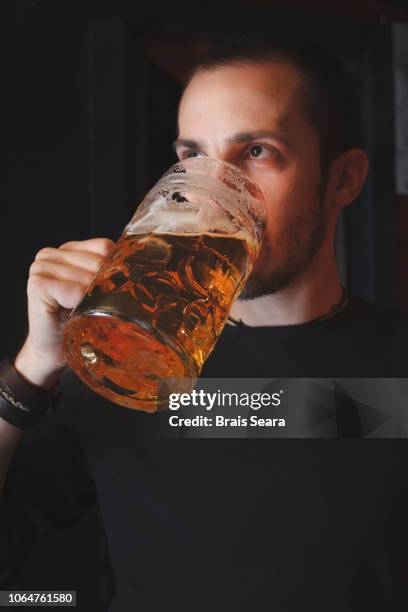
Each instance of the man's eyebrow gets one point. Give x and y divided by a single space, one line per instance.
188 144
235 139
250 136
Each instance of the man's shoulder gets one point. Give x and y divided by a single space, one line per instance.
382 334
378 315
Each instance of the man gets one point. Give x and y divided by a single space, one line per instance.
285 525
262 115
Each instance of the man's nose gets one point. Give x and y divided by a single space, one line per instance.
225 156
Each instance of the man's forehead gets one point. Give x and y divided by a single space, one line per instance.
250 95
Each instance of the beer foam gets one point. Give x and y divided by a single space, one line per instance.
161 219
240 235
205 208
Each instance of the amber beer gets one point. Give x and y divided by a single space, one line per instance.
154 312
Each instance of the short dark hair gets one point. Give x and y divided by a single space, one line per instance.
330 101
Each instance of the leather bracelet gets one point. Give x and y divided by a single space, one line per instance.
23 404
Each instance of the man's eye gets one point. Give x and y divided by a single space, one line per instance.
260 152
189 154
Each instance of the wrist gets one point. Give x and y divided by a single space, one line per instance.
22 403
36 369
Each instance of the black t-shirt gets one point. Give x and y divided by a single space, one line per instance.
236 524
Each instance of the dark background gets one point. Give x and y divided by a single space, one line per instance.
92 92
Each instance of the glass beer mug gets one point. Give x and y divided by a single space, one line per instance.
161 298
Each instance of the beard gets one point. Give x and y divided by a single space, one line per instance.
281 263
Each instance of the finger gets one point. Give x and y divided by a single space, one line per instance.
102 246
53 293
79 259
61 271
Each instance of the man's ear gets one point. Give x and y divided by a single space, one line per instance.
350 171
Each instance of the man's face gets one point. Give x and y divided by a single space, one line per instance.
251 116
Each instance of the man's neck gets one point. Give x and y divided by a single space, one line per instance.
303 301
